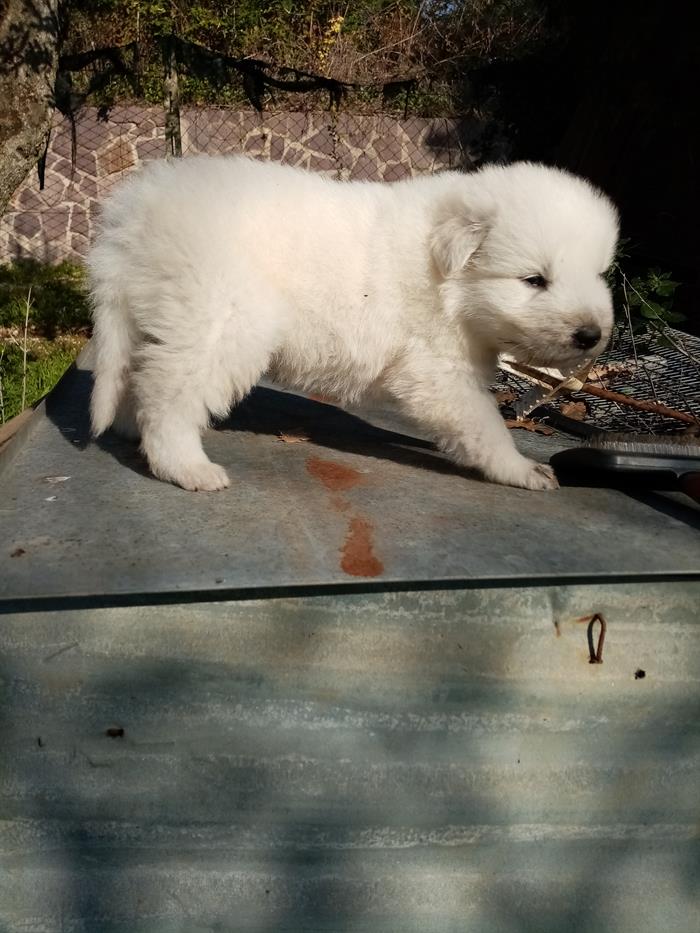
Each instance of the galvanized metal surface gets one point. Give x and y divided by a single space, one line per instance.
356 503
443 761
443 758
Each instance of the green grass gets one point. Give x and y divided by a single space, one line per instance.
58 296
47 360
44 320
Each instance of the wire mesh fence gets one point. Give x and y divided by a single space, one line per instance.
53 218
666 373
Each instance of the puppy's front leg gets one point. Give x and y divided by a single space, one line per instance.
483 441
462 414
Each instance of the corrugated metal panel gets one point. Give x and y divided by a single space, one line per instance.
419 761
267 739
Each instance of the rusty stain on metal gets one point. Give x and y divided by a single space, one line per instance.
596 653
359 559
340 504
334 476
357 554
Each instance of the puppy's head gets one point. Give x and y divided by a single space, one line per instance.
522 252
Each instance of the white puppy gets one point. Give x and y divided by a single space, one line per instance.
210 272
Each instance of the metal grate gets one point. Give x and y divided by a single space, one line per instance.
645 369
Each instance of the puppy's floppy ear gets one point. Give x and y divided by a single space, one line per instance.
459 230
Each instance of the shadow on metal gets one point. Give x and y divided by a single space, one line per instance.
266 411
416 762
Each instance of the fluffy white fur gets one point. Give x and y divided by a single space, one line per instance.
210 272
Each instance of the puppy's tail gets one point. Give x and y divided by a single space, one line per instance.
113 343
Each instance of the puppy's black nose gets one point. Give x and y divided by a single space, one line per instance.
586 337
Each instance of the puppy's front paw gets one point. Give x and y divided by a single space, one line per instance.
539 476
203 477
524 473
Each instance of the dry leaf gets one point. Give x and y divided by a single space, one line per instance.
505 395
576 410
292 437
529 425
600 370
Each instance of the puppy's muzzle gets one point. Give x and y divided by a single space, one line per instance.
584 338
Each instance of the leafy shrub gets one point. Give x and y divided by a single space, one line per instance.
58 297
44 317
644 300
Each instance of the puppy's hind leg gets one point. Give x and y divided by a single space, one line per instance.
180 381
171 415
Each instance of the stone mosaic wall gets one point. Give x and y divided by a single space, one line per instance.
57 222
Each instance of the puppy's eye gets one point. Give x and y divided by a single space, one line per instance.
537 281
